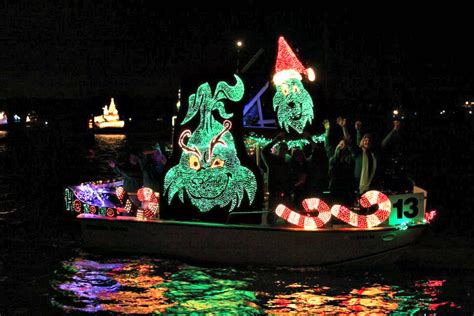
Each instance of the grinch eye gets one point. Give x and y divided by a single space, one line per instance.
218 163
285 89
194 163
296 89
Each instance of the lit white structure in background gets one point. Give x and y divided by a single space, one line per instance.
3 118
110 117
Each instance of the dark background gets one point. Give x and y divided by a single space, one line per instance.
390 55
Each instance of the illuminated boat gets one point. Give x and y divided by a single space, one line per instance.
109 119
105 227
3 120
206 170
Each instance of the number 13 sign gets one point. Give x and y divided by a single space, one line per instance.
406 207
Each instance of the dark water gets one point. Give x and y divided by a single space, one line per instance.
75 281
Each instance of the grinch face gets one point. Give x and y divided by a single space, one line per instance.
293 104
209 170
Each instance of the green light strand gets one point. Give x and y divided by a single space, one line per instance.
68 198
263 141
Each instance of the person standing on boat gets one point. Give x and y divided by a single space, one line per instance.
300 171
317 170
365 156
132 175
152 165
279 175
340 165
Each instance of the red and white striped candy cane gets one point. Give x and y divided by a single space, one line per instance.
147 196
306 221
368 199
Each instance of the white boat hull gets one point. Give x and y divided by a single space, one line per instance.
242 244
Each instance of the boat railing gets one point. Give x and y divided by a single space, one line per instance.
234 216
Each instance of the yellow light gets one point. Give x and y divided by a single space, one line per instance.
239 43
395 112
178 104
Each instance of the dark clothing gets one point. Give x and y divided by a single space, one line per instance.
341 179
132 178
317 172
279 180
151 175
279 171
341 174
300 172
132 181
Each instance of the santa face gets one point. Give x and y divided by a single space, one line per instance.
293 104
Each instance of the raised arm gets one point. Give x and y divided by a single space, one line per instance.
113 165
308 137
335 156
327 146
354 147
395 129
358 127
267 150
342 122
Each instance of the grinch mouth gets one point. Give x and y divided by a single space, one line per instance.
296 116
212 197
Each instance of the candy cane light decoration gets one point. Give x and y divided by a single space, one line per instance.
306 221
342 212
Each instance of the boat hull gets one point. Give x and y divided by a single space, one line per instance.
242 244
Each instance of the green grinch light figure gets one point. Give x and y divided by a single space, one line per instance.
292 102
209 170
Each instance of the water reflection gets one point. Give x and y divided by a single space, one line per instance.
123 286
143 285
205 291
373 299
109 140
3 145
377 299
110 145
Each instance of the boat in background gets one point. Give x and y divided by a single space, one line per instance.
3 120
109 121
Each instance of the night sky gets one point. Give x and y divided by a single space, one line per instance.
388 54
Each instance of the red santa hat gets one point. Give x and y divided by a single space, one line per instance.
288 65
